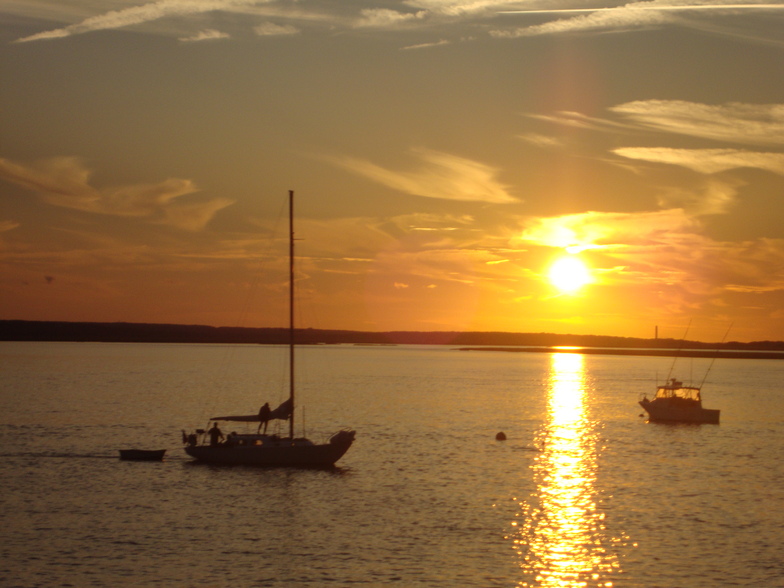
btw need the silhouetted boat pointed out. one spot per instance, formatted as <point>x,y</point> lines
<point>260,449</point>
<point>142,454</point>
<point>677,403</point>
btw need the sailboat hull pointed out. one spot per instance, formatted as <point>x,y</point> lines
<point>283,454</point>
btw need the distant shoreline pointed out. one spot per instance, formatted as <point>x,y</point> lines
<point>722,353</point>
<point>23,330</point>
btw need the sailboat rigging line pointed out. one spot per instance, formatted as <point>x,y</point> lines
<point>261,261</point>
<point>705,377</point>
<point>680,348</point>
<point>263,449</point>
<point>291,312</point>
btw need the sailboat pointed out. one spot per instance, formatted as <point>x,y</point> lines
<point>261,449</point>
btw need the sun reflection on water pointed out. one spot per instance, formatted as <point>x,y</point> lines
<point>562,541</point>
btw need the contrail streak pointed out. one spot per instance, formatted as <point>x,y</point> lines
<point>648,7</point>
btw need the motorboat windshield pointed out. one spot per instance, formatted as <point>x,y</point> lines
<point>675,389</point>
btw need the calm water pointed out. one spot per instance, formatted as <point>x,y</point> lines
<point>425,497</point>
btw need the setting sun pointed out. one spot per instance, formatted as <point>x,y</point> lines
<point>568,274</point>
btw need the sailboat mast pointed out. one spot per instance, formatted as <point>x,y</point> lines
<point>291,312</point>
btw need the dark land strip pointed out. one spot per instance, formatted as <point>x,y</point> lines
<point>22,330</point>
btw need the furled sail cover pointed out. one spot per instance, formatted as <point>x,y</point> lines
<point>283,412</point>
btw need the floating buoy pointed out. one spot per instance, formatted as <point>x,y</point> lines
<point>500,436</point>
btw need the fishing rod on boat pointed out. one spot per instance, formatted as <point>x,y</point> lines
<point>677,354</point>
<point>705,377</point>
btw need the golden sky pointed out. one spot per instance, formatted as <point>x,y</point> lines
<point>444,153</point>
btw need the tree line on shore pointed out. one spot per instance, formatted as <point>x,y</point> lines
<point>21,330</point>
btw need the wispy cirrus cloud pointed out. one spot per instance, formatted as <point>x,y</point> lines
<point>134,15</point>
<point>270,29</point>
<point>713,197</point>
<point>665,247</point>
<point>420,13</point>
<point>734,123</point>
<point>606,230</point>
<point>579,120</point>
<point>65,182</point>
<point>706,161</point>
<point>440,175</point>
<point>140,14</point>
<point>617,19</point>
<point>539,140</point>
<point>8,225</point>
<point>635,15</point>
<point>759,124</point>
<point>205,35</point>
<point>385,18</point>
<point>731,123</point>
<point>359,239</point>
<point>439,43</point>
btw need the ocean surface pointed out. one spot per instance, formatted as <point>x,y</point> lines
<point>584,492</point>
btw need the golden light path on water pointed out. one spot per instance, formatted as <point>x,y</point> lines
<point>562,539</point>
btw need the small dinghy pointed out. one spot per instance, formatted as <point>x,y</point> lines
<point>142,454</point>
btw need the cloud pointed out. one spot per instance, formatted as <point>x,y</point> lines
<point>539,140</point>
<point>458,8</point>
<point>739,123</point>
<point>385,18</point>
<point>715,197</point>
<point>64,182</point>
<point>439,43</point>
<point>431,13</point>
<point>206,35</point>
<point>617,19</point>
<point>578,120</point>
<point>761,124</point>
<point>706,161</point>
<point>664,247</point>
<point>361,238</point>
<point>647,249</point>
<point>269,29</point>
<point>606,230</point>
<point>193,216</point>
<point>635,15</point>
<point>136,15</point>
<point>8,225</point>
<point>440,175</point>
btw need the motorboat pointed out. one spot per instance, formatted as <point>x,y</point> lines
<point>677,403</point>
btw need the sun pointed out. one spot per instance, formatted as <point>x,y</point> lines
<point>568,274</point>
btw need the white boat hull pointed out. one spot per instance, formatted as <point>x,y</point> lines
<point>667,413</point>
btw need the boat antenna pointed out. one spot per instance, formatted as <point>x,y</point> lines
<point>291,312</point>
<point>705,377</point>
<point>680,348</point>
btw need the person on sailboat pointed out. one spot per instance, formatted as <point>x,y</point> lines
<point>216,435</point>
<point>264,416</point>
